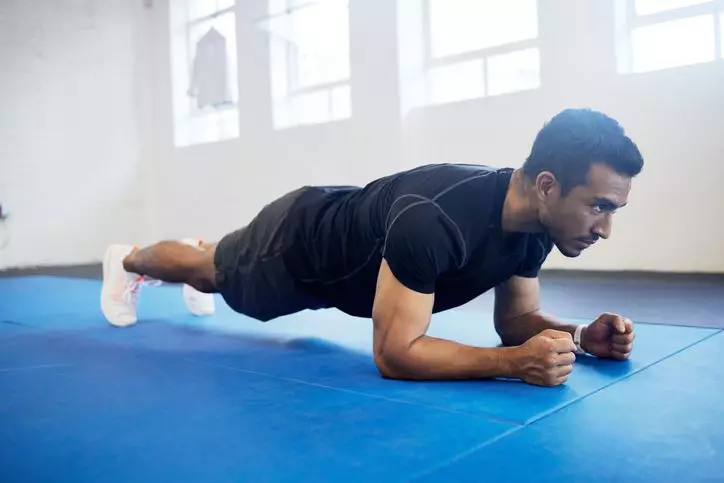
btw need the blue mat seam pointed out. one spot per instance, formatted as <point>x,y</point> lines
<point>649,322</point>
<point>33,368</point>
<point>549,413</point>
<point>358,393</point>
<point>616,381</point>
<point>464,454</point>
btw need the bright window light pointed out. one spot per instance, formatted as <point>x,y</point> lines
<point>310,64</point>
<point>205,8</point>
<point>320,43</point>
<point>672,44</point>
<point>721,34</point>
<point>647,7</point>
<point>311,108</point>
<point>341,99</point>
<point>456,82</point>
<point>204,79</point>
<point>516,71</point>
<point>458,26</point>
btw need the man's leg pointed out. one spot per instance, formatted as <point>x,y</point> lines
<point>174,262</point>
<point>125,267</point>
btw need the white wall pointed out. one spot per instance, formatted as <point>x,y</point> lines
<point>70,157</point>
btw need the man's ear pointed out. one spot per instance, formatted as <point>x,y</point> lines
<point>546,185</point>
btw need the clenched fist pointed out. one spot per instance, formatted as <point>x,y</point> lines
<point>610,336</point>
<point>546,359</point>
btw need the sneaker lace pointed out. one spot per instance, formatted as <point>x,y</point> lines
<point>131,291</point>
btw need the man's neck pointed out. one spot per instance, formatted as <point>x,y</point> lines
<point>520,210</point>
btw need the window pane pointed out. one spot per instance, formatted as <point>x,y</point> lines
<point>646,7</point>
<point>341,103</point>
<point>311,108</point>
<point>516,71</point>
<point>458,26</point>
<point>721,34</point>
<point>456,82</point>
<point>320,43</point>
<point>226,26</point>
<point>671,44</point>
<point>276,7</point>
<point>204,8</point>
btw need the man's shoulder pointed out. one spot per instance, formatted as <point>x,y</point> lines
<point>450,179</point>
<point>454,169</point>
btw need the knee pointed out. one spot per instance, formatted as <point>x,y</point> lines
<point>203,284</point>
<point>203,273</point>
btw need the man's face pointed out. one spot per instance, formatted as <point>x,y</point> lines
<point>578,220</point>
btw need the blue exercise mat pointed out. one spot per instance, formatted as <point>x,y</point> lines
<point>665,424</point>
<point>225,398</point>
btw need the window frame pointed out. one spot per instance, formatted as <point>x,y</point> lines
<point>431,62</point>
<point>632,21</point>
<point>192,125</point>
<point>291,61</point>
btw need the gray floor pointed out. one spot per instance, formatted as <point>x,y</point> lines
<point>676,299</point>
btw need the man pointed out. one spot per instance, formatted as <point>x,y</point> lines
<point>415,243</point>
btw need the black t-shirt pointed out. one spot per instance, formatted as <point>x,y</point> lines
<point>437,226</point>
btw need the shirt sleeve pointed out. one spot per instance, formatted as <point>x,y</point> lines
<point>537,250</point>
<point>421,243</point>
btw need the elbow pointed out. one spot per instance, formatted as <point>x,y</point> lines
<point>386,366</point>
<point>501,328</point>
<point>394,365</point>
<point>507,340</point>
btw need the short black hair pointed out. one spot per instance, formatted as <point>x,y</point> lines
<point>575,139</point>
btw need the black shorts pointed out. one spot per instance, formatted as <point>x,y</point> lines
<point>250,272</point>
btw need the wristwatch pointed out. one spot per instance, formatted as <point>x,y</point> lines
<point>577,336</point>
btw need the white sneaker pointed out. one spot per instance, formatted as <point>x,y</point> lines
<point>119,295</point>
<point>198,303</point>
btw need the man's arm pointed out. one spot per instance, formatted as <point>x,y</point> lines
<point>517,312</point>
<point>402,350</point>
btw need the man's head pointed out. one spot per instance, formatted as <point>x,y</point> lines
<point>580,167</point>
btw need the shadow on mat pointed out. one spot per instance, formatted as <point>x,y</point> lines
<point>159,335</point>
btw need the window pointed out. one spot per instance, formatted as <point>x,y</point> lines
<point>479,48</point>
<point>721,34</point>
<point>647,7</point>
<point>662,34</point>
<point>310,66</point>
<point>204,71</point>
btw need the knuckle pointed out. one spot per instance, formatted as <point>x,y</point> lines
<point>546,344</point>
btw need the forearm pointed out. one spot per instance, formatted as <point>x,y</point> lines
<point>516,331</point>
<point>429,358</point>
